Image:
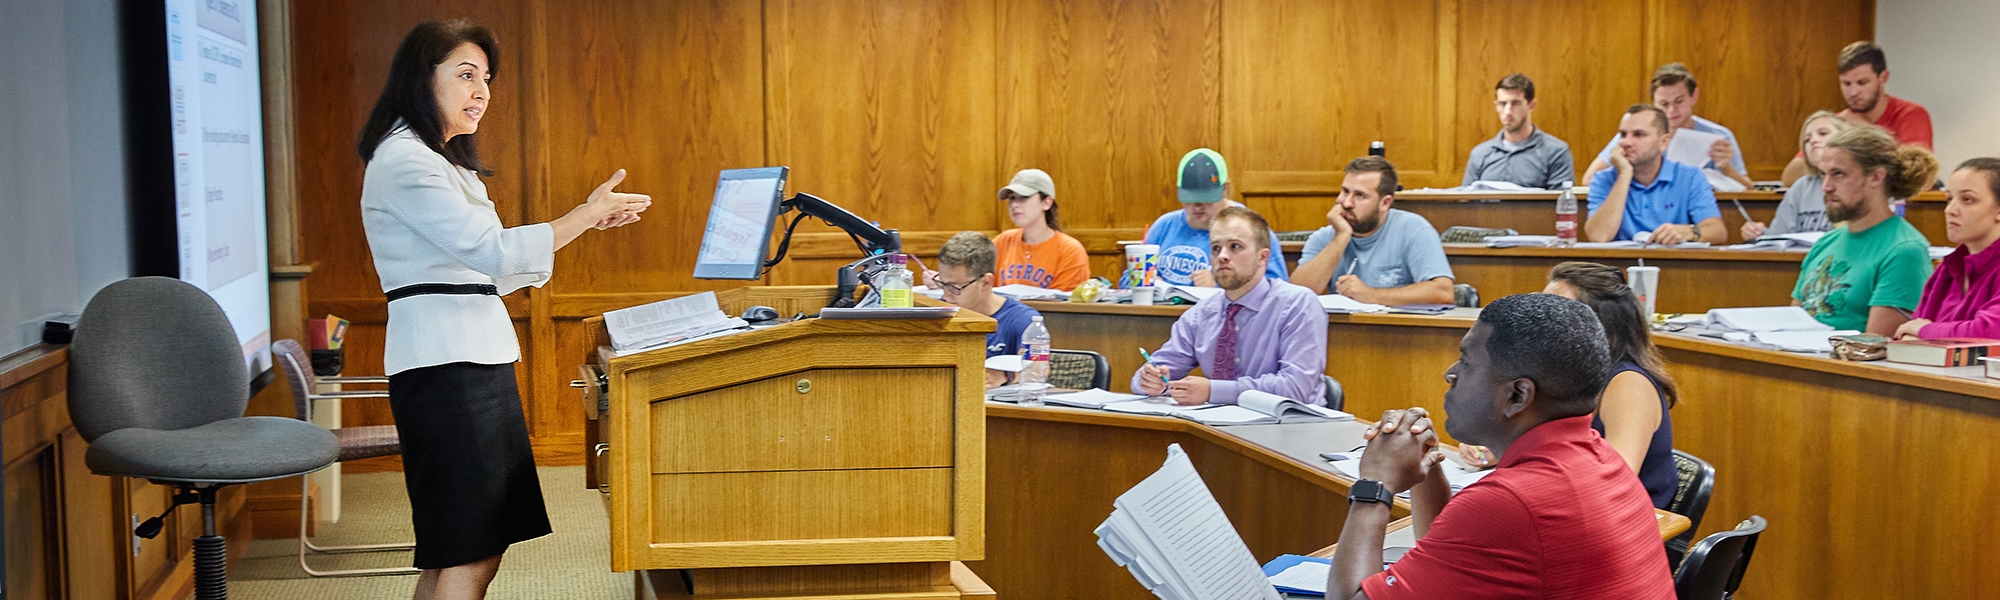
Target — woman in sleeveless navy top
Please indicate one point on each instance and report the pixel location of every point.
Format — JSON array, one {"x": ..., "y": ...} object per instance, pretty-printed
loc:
[{"x": 1632, "y": 414}]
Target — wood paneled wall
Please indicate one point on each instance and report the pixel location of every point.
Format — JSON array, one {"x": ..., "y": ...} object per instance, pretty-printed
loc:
[{"x": 913, "y": 112}]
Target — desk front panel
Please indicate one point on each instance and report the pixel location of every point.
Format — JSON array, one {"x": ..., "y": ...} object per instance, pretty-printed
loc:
[
  {"x": 1690, "y": 280},
  {"x": 1536, "y": 214}
]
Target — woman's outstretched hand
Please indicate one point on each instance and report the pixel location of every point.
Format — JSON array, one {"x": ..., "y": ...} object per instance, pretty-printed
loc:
[{"x": 613, "y": 208}]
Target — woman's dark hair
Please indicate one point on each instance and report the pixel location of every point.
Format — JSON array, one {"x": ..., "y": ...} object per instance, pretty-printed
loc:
[
  {"x": 1626, "y": 329},
  {"x": 1986, "y": 165},
  {"x": 1055, "y": 222},
  {"x": 409, "y": 98}
]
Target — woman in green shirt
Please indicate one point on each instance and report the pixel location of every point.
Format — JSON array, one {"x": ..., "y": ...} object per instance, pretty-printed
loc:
[{"x": 1868, "y": 273}]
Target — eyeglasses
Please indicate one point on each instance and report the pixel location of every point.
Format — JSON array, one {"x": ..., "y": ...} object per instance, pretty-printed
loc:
[{"x": 955, "y": 289}]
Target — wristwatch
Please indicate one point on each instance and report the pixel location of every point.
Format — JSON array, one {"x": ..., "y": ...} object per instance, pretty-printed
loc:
[{"x": 1367, "y": 490}]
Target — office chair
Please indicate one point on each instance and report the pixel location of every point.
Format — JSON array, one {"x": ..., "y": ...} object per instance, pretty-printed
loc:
[
  {"x": 1714, "y": 567},
  {"x": 355, "y": 443},
  {"x": 157, "y": 387},
  {"x": 1696, "y": 483},
  {"x": 1336, "y": 398},
  {"x": 1078, "y": 370},
  {"x": 1464, "y": 295}
]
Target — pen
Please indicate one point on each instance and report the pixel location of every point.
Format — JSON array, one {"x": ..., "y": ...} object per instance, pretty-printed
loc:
[
  {"x": 1149, "y": 360},
  {"x": 1739, "y": 210}
]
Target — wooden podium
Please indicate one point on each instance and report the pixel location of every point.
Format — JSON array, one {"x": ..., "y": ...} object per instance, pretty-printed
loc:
[{"x": 813, "y": 459}]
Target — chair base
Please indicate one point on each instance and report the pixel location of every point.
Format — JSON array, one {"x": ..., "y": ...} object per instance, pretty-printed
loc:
[{"x": 305, "y": 544}]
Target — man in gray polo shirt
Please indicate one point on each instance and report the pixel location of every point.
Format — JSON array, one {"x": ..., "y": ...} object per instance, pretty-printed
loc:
[
  {"x": 1371, "y": 252},
  {"x": 1521, "y": 154}
]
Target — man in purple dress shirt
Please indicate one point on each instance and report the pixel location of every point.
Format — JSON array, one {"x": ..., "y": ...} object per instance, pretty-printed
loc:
[{"x": 1262, "y": 333}]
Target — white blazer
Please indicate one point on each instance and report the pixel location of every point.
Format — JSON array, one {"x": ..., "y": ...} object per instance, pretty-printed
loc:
[{"x": 429, "y": 221}]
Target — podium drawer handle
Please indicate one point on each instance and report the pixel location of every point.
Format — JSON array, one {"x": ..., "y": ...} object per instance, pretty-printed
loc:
[{"x": 603, "y": 455}]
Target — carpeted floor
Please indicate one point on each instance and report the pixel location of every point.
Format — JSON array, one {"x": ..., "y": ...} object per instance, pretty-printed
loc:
[{"x": 573, "y": 563}]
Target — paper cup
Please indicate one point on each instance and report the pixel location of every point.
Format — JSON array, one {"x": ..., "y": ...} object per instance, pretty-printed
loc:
[
  {"x": 1140, "y": 260},
  {"x": 1142, "y": 296},
  {"x": 1645, "y": 284}
]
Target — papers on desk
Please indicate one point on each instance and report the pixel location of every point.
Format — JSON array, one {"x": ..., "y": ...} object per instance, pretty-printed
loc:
[
  {"x": 1521, "y": 241},
  {"x": 648, "y": 326},
  {"x": 1173, "y": 537},
  {"x": 1091, "y": 398},
  {"x": 1690, "y": 147},
  {"x": 1252, "y": 408},
  {"x": 1939, "y": 252},
  {"x": 1454, "y": 473},
  {"x": 934, "y": 293},
  {"x": 1028, "y": 292},
  {"x": 1495, "y": 186},
  {"x": 1787, "y": 242},
  {"x": 1722, "y": 183},
  {"x": 1012, "y": 392},
  {"x": 1010, "y": 363},
  {"x": 1338, "y": 304},
  {"x": 1767, "y": 318},
  {"x": 1794, "y": 341},
  {"x": 1294, "y": 574}
]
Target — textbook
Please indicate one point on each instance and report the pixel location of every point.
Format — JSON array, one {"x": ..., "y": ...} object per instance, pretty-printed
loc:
[
  {"x": 1259, "y": 408},
  {"x": 668, "y": 321},
  {"x": 1943, "y": 352},
  {"x": 1191, "y": 294}
]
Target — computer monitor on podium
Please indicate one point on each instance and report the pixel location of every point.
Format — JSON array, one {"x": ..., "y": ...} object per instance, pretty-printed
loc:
[{"x": 738, "y": 239}]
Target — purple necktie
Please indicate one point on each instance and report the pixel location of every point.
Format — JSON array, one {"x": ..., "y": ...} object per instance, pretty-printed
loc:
[{"x": 1225, "y": 346}]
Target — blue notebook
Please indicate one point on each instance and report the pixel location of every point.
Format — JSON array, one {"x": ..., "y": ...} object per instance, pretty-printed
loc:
[{"x": 1279, "y": 564}]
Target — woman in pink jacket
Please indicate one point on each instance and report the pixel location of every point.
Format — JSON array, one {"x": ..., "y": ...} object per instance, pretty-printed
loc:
[{"x": 1962, "y": 299}]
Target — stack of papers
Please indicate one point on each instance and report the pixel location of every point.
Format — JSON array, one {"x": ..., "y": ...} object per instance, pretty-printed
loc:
[
  {"x": 1690, "y": 147},
  {"x": 1767, "y": 318},
  {"x": 1159, "y": 407},
  {"x": 1173, "y": 537},
  {"x": 1495, "y": 186},
  {"x": 1521, "y": 241},
  {"x": 1091, "y": 398},
  {"x": 1794, "y": 341},
  {"x": 653, "y": 325},
  {"x": 1786, "y": 242},
  {"x": 1028, "y": 292},
  {"x": 1457, "y": 475},
  {"x": 1259, "y": 408},
  {"x": 1939, "y": 252},
  {"x": 1294, "y": 574},
  {"x": 1336, "y": 303}
]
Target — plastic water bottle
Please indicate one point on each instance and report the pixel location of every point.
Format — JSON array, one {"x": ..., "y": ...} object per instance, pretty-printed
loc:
[
  {"x": 1898, "y": 205},
  {"x": 1035, "y": 370},
  {"x": 896, "y": 283},
  {"x": 1566, "y": 218}
]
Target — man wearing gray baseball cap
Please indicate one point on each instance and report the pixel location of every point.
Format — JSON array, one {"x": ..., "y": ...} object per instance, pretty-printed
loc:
[{"x": 1182, "y": 235}]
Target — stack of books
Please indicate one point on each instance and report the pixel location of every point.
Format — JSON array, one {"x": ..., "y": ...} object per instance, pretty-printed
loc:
[{"x": 326, "y": 333}]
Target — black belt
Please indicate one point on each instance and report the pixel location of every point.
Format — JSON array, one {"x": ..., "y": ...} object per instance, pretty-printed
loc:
[{"x": 467, "y": 289}]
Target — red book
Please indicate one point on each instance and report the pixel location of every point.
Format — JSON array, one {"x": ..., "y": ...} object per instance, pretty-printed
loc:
[
  {"x": 316, "y": 334},
  {"x": 1942, "y": 352}
]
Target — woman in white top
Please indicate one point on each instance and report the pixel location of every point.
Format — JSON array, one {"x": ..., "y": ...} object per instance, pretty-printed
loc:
[
  {"x": 445, "y": 260},
  {"x": 1804, "y": 206}
]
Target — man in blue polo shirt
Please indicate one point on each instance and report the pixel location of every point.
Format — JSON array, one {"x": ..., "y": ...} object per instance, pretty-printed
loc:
[
  {"x": 1643, "y": 193},
  {"x": 1182, "y": 235}
]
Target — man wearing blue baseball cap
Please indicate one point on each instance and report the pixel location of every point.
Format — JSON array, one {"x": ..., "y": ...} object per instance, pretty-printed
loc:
[{"x": 1182, "y": 235}]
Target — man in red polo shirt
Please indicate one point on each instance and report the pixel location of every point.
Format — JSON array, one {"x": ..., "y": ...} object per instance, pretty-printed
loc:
[
  {"x": 1562, "y": 516},
  {"x": 1864, "y": 72}
]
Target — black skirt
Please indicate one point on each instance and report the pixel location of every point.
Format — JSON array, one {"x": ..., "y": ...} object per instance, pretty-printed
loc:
[{"x": 466, "y": 461}]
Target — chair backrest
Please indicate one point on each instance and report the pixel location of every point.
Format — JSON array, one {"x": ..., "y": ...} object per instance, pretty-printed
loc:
[
  {"x": 1696, "y": 482},
  {"x": 1465, "y": 295},
  {"x": 1079, "y": 370},
  {"x": 292, "y": 357},
  {"x": 1714, "y": 567},
  {"x": 1336, "y": 398},
  {"x": 157, "y": 353}
]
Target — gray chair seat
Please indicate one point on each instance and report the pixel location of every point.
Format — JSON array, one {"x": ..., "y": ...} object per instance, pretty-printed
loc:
[
  {"x": 368, "y": 441},
  {"x": 239, "y": 450}
]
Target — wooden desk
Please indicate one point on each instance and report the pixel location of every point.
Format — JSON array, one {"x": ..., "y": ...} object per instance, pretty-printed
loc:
[
  {"x": 1690, "y": 280},
  {"x": 1053, "y": 473},
  {"x": 1534, "y": 212},
  {"x": 1875, "y": 477}
]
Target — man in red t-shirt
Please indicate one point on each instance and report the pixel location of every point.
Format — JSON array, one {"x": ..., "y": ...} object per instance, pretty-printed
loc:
[
  {"x": 1864, "y": 72},
  {"x": 1561, "y": 517}
]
